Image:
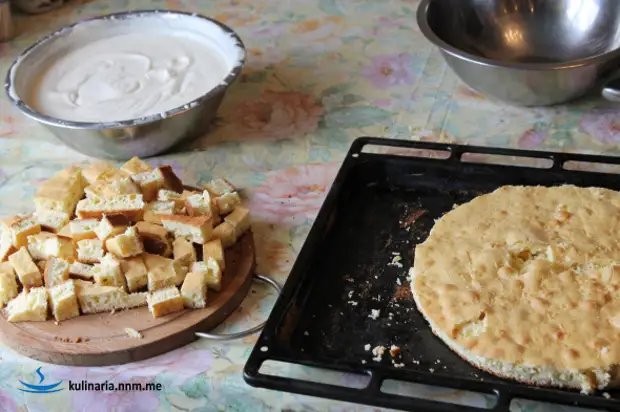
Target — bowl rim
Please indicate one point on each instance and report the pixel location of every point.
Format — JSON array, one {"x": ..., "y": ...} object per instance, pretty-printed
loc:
[
  {"x": 69, "y": 124},
  {"x": 428, "y": 32}
]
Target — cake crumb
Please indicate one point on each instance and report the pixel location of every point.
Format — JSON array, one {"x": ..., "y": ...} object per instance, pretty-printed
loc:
[
  {"x": 306, "y": 333},
  {"x": 398, "y": 282},
  {"x": 431, "y": 370},
  {"x": 378, "y": 351},
  {"x": 394, "y": 350},
  {"x": 374, "y": 314},
  {"x": 399, "y": 365},
  {"x": 367, "y": 346},
  {"x": 363, "y": 362},
  {"x": 396, "y": 261},
  {"x": 350, "y": 294},
  {"x": 132, "y": 333},
  {"x": 352, "y": 303},
  {"x": 606, "y": 395}
]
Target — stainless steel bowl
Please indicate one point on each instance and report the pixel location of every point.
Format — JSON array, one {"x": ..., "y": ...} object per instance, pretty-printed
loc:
[
  {"x": 526, "y": 52},
  {"x": 145, "y": 136}
]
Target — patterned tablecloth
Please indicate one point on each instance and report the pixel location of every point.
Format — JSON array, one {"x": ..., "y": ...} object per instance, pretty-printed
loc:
[{"x": 319, "y": 74}]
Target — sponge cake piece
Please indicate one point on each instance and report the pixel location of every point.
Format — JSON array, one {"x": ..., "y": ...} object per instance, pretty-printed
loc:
[
  {"x": 184, "y": 251},
  {"x": 83, "y": 229},
  {"x": 90, "y": 251},
  {"x": 8, "y": 283},
  {"x": 196, "y": 229},
  {"x": 126, "y": 244},
  {"x": 136, "y": 275},
  {"x": 52, "y": 220},
  {"x": 194, "y": 290},
  {"x": 215, "y": 250},
  {"x": 78, "y": 270},
  {"x": 131, "y": 206},
  {"x": 135, "y": 165},
  {"x": 21, "y": 229},
  {"x": 163, "y": 272},
  {"x": 211, "y": 272},
  {"x": 45, "y": 245},
  {"x": 63, "y": 301},
  {"x": 28, "y": 306},
  {"x": 109, "y": 273},
  {"x": 165, "y": 301},
  {"x": 111, "y": 225},
  {"x": 56, "y": 272},
  {"x": 6, "y": 245},
  {"x": 27, "y": 271}
]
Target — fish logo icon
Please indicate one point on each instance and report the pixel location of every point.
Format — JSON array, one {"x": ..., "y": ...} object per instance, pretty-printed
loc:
[{"x": 40, "y": 388}]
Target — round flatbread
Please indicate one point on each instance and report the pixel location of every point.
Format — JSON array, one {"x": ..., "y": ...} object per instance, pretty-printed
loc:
[{"x": 524, "y": 283}]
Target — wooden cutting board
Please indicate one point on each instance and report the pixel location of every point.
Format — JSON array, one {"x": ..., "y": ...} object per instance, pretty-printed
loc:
[{"x": 100, "y": 339}]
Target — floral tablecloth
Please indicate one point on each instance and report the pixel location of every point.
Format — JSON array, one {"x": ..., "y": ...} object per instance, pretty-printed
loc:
[{"x": 319, "y": 74}]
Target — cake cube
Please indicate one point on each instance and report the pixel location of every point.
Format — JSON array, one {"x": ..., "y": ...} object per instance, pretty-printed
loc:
[
  {"x": 194, "y": 290},
  {"x": 165, "y": 301},
  {"x": 28, "y": 306},
  {"x": 211, "y": 271},
  {"x": 27, "y": 271},
  {"x": 63, "y": 301},
  {"x": 136, "y": 275},
  {"x": 8, "y": 283},
  {"x": 125, "y": 245},
  {"x": 109, "y": 273},
  {"x": 90, "y": 251},
  {"x": 183, "y": 251},
  {"x": 215, "y": 250},
  {"x": 56, "y": 272},
  {"x": 196, "y": 229}
]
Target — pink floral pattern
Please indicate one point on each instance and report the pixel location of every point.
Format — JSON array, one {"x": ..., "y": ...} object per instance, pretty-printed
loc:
[
  {"x": 602, "y": 125},
  {"x": 293, "y": 196},
  {"x": 7, "y": 404},
  {"x": 532, "y": 139},
  {"x": 389, "y": 70},
  {"x": 185, "y": 362},
  {"x": 276, "y": 115}
]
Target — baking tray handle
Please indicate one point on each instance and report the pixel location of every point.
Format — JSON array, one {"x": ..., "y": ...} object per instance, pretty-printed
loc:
[{"x": 247, "y": 332}]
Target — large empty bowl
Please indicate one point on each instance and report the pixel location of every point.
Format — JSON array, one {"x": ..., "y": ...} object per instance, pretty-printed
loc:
[{"x": 527, "y": 52}]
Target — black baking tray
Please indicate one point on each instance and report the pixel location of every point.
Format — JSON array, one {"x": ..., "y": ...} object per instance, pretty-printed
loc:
[{"x": 381, "y": 204}]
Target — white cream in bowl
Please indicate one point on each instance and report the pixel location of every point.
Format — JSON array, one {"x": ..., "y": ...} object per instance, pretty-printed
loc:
[{"x": 124, "y": 68}]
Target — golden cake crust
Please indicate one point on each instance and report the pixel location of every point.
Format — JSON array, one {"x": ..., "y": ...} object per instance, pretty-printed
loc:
[{"x": 524, "y": 283}]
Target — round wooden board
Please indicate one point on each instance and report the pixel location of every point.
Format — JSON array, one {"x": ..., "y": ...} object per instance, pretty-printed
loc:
[{"x": 102, "y": 337}]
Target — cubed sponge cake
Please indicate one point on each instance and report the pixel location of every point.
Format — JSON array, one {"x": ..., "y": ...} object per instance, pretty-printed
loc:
[
  {"x": 90, "y": 251},
  {"x": 211, "y": 271},
  {"x": 194, "y": 290},
  {"x": 126, "y": 244},
  {"x": 56, "y": 272},
  {"x": 63, "y": 301},
  {"x": 28, "y": 306},
  {"x": 8, "y": 283},
  {"x": 214, "y": 249},
  {"x": 135, "y": 272},
  {"x": 27, "y": 271},
  {"x": 111, "y": 225},
  {"x": 184, "y": 251},
  {"x": 196, "y": 229},
  {"x": 165, "y": 301},
  {"x": 109, "y": 273}
]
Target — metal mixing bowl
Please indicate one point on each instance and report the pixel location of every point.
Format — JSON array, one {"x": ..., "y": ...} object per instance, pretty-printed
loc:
[
  {"x": 526, "y": 52},
  {"x": 145, "y": 136}
]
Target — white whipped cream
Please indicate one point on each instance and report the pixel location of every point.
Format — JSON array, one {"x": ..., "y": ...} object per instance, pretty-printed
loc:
[{"x": 128, "y": 76}]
